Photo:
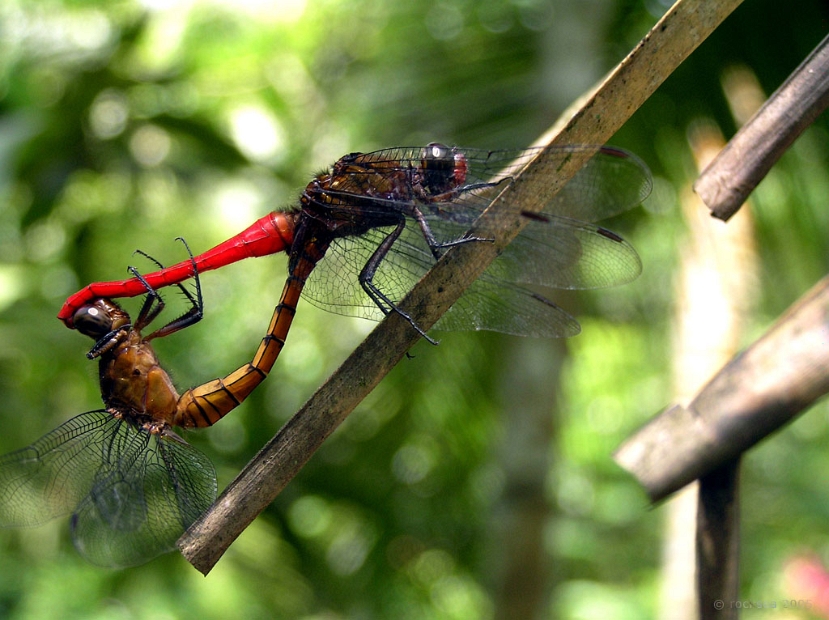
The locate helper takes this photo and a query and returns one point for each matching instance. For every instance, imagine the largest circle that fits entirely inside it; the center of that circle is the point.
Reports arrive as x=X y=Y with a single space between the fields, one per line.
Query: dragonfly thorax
x=134 y=383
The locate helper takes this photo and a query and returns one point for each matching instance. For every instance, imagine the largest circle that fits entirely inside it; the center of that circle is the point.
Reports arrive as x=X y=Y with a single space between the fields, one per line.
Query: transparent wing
x=143 y=500
x=567 y=254
x=559 y=253
x=133 y=493
x=493 y=306
x=50 y=477
x=334 y=284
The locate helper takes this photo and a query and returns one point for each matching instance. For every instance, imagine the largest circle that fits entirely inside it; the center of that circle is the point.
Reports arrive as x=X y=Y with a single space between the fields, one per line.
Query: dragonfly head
x=101 y=317
x=442 y=167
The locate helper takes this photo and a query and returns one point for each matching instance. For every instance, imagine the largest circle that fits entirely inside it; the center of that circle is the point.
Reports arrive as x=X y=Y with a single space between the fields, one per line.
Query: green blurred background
x=476 y=481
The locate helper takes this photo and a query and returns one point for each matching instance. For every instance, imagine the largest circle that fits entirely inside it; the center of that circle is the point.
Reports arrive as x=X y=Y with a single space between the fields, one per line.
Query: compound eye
x=93 y=321
x=435 y=151
x=437 y=169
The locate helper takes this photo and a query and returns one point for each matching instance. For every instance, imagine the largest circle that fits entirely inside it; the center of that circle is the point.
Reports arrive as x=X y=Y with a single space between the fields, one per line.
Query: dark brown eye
x=437 y=156
x=437 y=168
x=93 y=321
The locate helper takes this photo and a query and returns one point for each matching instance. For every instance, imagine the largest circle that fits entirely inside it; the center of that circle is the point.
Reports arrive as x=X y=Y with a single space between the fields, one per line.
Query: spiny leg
x=196 y=311
x=366 y=279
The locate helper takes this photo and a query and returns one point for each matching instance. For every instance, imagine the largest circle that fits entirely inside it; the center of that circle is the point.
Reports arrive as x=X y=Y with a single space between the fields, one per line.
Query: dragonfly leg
x=106 y=342
x=180 y=286
x=366 y=279
x=483 y=185
x=436 y=246
x=151 y=308
x=191 y=316
x=462 y=240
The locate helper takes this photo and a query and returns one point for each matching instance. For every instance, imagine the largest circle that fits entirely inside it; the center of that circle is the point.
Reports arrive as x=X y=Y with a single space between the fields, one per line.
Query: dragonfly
x=131 y=484
x=366 y=230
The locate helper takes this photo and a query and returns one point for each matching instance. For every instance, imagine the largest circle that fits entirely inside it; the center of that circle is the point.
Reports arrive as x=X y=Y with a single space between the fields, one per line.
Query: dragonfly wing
x=49 y=478
x=143 y=500
x=192 y=474
x=334 y=284
x=493 y=305
x=567 y=254
x=559 y=253
x=612 y=182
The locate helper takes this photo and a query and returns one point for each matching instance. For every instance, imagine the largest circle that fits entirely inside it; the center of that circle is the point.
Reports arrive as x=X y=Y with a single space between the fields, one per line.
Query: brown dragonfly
x=374 y=224
x=131 y=484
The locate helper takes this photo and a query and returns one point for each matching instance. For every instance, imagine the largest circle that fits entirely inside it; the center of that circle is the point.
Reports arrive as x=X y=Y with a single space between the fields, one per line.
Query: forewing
x=612 y=182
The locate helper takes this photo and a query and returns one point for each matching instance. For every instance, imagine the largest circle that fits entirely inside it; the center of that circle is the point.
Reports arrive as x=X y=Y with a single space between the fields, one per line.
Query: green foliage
x=126 y=124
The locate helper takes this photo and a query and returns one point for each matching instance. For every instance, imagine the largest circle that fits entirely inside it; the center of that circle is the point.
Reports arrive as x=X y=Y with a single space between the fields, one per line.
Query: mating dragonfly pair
x=379 y=220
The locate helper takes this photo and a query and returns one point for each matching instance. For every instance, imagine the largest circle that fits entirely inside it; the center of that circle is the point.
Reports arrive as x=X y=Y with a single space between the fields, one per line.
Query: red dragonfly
x=132 y=485
x=382 y=219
